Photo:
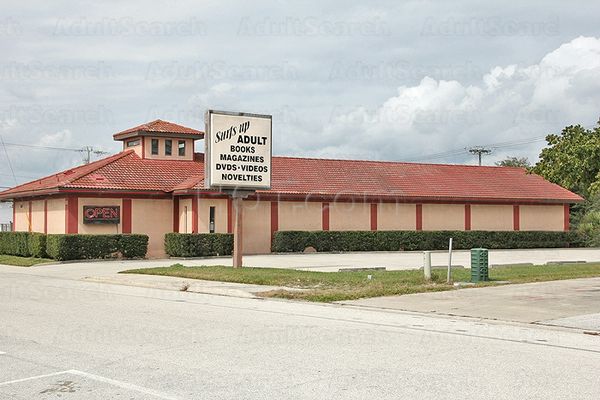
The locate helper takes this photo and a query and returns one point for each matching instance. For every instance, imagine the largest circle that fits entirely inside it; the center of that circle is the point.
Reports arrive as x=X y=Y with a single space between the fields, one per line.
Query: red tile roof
x=160 y=126
x=298 y=177
x=412 y=181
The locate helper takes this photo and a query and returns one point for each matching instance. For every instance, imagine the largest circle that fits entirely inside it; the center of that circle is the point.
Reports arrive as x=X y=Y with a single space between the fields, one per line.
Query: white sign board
x=238 y=151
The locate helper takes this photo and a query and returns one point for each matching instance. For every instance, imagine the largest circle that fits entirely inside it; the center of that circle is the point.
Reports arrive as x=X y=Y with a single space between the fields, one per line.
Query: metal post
x=449 y=278
x=237 y=232
x=427 y=264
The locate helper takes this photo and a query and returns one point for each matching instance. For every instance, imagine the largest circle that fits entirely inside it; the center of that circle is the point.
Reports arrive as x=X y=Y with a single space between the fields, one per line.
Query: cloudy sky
x=389 y=80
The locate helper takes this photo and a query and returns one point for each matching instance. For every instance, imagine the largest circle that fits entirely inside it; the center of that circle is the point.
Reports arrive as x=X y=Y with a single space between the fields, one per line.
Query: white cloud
x=509 y=103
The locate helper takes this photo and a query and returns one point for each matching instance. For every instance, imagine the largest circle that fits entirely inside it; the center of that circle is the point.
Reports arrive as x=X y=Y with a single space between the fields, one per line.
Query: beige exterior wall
x=154 y=218
x=491 y=217
x=300 y=216
x=138 y=148
x=396 y=216
x=97 y=229
x=56 y=216
x=185 y=216
x=220 y=215
x=256 y=227
x=349 y=216
x=37 y=216
x=189 y=149
x=21 y=216
x=439 y=217
x=541 y=218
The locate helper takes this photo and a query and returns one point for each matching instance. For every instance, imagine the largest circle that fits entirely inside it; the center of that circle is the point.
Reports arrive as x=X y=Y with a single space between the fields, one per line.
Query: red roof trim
x=159 y=126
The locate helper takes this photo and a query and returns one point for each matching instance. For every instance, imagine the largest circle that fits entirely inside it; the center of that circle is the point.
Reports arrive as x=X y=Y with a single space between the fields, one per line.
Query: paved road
x=69 y=339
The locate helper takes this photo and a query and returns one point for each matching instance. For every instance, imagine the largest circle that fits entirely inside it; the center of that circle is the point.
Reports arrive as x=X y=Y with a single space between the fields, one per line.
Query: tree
x=520 y=162
x=588 y=224
x=572 y=159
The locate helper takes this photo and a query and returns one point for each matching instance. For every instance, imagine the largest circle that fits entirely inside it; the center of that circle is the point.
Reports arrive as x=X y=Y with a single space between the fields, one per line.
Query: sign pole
x=238 y=242
x=449 y=277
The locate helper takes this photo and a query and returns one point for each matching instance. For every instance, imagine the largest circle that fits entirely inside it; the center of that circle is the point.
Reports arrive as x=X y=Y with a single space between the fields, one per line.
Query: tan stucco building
x=156 y=186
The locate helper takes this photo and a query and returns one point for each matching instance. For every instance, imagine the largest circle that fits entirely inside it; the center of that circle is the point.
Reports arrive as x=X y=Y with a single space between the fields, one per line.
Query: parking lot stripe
x=123 y=385
x=31 y=378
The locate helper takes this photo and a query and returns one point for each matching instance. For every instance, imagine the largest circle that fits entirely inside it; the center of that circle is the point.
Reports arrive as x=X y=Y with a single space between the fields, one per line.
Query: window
x=211 y=220
x=132 y=143
x=168 y=147
x=181 y=146
x=154 y=147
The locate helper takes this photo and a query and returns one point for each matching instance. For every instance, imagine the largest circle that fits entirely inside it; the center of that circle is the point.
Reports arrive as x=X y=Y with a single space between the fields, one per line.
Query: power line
x=479 y=150
x=87 y=151
x=8 y=160
x=459 y=151
x=41 y=147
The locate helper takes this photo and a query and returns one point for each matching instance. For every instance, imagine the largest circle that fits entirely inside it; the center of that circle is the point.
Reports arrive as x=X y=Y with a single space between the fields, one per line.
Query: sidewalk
x=573 y=303
x=330 y=262
x=184 y=284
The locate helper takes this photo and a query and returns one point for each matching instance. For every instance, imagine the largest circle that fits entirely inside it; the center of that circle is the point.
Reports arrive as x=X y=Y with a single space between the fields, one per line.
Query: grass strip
x=349 y=285
x=22 y=261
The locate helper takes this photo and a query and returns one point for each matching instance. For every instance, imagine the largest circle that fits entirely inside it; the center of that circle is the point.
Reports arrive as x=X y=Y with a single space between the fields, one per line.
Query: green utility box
x=479 y=265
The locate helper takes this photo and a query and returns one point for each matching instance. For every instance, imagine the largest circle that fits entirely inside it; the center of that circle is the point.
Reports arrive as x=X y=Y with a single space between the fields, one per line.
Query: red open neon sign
x=101 y=214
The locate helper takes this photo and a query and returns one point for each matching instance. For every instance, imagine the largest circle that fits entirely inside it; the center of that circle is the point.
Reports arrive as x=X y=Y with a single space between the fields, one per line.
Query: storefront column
x=29 y=216
x=194 y=214
x=373 y=216
x=176 y=214
x=229 y=215
x=325 y=216
x=467 y=217
x=71 y=214
x=126 y=222
x=274 y=218
x=46 y=216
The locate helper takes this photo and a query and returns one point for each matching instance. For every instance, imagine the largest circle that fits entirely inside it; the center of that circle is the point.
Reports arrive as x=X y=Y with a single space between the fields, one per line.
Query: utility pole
x=479 y=150
x=88 y=151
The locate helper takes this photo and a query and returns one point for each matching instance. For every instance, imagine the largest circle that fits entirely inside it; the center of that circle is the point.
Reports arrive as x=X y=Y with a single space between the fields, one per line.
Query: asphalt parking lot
x=70 y=339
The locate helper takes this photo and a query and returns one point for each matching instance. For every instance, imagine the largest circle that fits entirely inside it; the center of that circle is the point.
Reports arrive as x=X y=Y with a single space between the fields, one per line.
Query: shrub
x=133 y=246
x=37 y=245
x=333 y=241
x=79 y=247
x=23 y=244
x=198 y=244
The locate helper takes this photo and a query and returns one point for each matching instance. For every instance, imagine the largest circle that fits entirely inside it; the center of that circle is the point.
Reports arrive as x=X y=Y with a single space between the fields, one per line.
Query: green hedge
x=24 y=244
x=133 y=246
x=80 y=247
x=332 y=241
x=198 y=244
x=72 y=247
